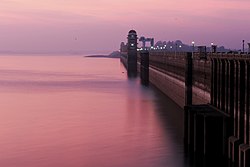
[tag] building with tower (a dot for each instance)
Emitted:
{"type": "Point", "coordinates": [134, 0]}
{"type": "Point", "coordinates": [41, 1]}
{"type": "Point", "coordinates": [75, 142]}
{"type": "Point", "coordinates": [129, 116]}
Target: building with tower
{"type": "Point", "coordinates": [132, 52]}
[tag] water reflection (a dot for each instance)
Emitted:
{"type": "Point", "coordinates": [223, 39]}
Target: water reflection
{"type": "Point", "coordinates": [74, 111]}
{"type": "Point", "coordinates": [170, 116]}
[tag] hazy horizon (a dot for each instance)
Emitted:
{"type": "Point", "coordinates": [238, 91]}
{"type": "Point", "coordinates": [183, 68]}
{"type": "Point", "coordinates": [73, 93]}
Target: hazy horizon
{"type": "Point", "coordinates": [99, 26]}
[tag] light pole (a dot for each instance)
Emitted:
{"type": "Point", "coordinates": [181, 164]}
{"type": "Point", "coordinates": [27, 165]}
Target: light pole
{"type": "Point", "coordinates": [212, 47]}
{"type": "Point", "coordinates": [243, 46]}
{"type": "Point", "coordinates": [193, 46]}
{"type": "Point", "coordinates": [248, 48]}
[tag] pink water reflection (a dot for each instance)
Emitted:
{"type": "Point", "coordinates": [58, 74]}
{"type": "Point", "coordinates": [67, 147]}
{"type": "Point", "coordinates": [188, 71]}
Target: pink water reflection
{"type": "Point", "coordinates": [74, 112]}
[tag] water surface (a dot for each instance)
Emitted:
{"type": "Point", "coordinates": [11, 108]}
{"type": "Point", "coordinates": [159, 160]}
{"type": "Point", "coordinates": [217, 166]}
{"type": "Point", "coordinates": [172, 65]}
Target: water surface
{"type": "Point", "coordinates": [71, 111]}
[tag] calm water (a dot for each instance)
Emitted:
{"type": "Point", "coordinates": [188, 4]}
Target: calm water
{"type": "Point", "coordinates": [71, 111]}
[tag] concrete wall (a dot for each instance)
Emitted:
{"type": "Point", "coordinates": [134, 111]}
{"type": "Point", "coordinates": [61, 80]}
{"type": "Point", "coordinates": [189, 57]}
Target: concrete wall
{"type": "Point", "coordinates": [201, 80]}
{"type": "Point", "coordinates": [123, 59]}
{"type": "Point", "coordinates": [167, 73]}
{"type": "Point", "coordinates": [172, 87]}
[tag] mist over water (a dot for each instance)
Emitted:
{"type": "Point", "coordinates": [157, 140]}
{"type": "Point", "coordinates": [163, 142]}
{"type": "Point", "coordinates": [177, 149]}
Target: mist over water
{"type": "Point", "coordinates": [72, 111]}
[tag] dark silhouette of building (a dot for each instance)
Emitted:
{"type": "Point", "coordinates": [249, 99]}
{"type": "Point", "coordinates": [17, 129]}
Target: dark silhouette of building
{"type": "Point", "coordinates": [214, 48]}
{"type": "Point", "coordinates": [132, 52]}
{"type": "Point", "coordinates": [144, 40]}
{"type": "Point", "coordinates": [123, 48]}
{"type": "Point", "coordinates": [202, 50]}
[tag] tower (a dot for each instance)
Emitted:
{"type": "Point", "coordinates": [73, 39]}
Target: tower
{"type": "Point", "coordinates": [132, 52]}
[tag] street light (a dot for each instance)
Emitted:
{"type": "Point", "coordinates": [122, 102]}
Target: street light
{"type": "Point", "coordinates": [248, 48]}
{"type": "Point", "coordinates": [212, 44]}
{"type": "Point", "coordinates": [193, 45]}
{"type": "Point", "coordinates": [180, 47]}
{"type": "Point", "coordinates": [243, 46]}
{"type": "Point", "coordinates": [164, 46]}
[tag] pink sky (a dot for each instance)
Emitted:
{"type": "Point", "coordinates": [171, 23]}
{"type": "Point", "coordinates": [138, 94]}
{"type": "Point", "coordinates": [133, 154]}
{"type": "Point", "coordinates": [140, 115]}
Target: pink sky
{"type": "Point", "coordinates": [99, 26]}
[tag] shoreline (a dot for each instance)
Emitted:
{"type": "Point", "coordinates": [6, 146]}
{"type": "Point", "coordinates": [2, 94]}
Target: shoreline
{"type": "Point", "coordinates": [101, 56]}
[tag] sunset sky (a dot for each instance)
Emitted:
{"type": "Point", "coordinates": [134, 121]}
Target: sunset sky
{"type": "Point", "coordinates": [98, 26]}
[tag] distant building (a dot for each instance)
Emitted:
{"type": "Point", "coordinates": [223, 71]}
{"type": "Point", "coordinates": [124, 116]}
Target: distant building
{"type": "Point", "coordinates": [178, 45]}
{"type": "Point", "coordinates": [123, 48]}
{"type": "Point", "coordinates": [144, 40]}
{"type": "Point", "coordinates": [132, 51]}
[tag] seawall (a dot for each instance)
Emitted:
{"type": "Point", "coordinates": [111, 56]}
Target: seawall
{"type": "Point", "coordinates": [167, 73]}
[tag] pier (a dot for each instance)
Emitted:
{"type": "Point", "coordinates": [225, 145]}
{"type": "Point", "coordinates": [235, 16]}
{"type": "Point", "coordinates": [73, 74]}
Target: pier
{"type": "Point", "coordinates": [212, 88]}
